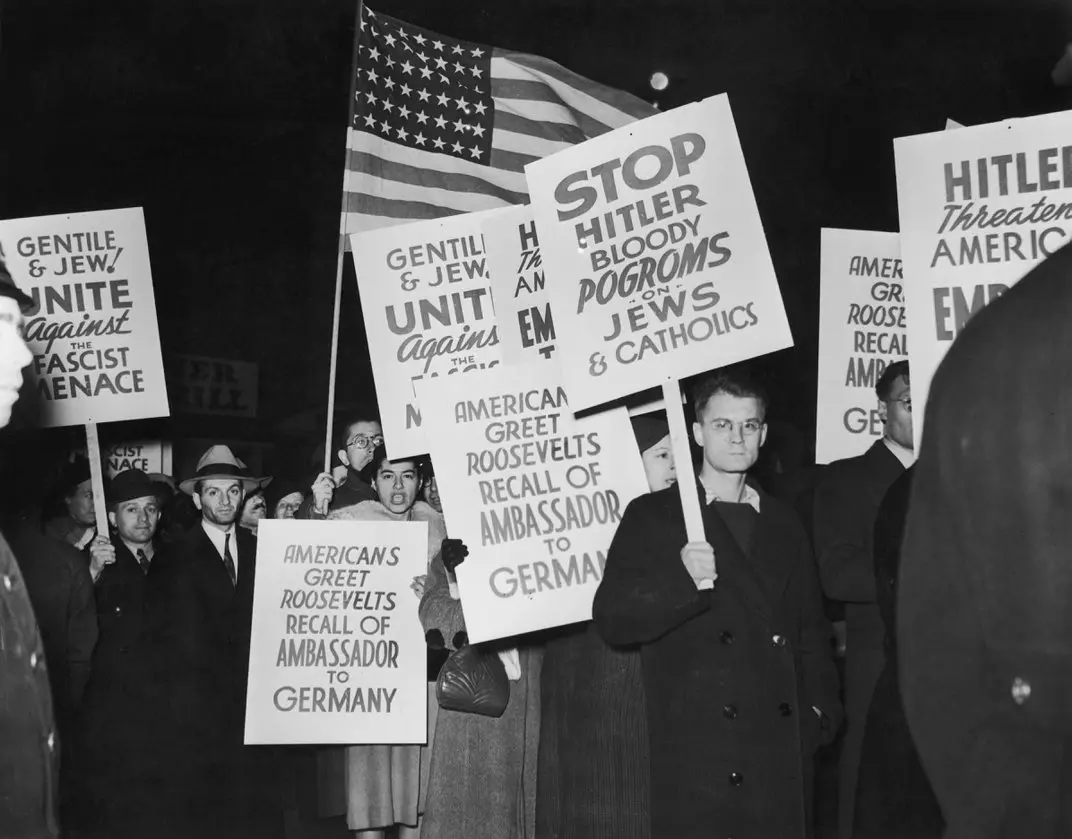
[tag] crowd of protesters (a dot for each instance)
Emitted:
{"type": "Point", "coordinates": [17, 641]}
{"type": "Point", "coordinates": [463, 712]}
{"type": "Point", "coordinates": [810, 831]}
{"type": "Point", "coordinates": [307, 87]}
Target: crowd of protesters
{"type": "Point", "coordinates": [695, 702]}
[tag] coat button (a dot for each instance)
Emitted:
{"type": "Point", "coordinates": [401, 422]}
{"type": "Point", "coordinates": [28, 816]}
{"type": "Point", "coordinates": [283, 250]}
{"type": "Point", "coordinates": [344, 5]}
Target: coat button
{"type": "Point", "coordinates": [778, 641]}
{"type": "Point", "coordinates": [785, 709]}
{"type": "Point", "coordinates": [33, 661]}
{"type": "Point", "coordinates": [736, 779]}
{"type": "Point", "coordinates": [729, 712]}
{"type": "Point", "coordinates": [726, 637]}
{"type": "Point", "coordinates": [1021, 690]}
{"type": "Point", "coordinates": [52, 741]}
{"type": "Point", "coordinates": [7, 582]}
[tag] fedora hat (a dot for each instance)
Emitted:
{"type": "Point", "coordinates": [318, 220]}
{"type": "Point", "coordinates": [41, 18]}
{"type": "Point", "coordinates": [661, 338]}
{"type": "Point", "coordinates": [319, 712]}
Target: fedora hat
{"type": "Point", "coordinates": [128, 485]}
{"type": "Point", "coordinates": [220, 463]}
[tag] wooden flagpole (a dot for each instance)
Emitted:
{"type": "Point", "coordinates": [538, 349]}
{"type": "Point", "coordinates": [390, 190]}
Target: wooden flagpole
{"type": "Point", "coordinates": [341, 251]}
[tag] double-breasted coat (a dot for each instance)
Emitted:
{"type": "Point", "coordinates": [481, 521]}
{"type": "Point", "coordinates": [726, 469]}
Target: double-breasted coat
{"type": "Point", "coordinates": [116, 708]}
{"type": "Point", "coordinates": [731, 675]}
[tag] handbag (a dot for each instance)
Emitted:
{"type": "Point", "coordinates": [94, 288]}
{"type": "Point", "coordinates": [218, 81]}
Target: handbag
{"type": "Point", "coordinates": [473, 682]}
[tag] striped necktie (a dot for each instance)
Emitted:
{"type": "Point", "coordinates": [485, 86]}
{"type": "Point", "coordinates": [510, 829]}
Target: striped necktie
{"type": "Point", "coordinates": [228, 560]}
{"type": "Point", "coordinates": [143, 561]}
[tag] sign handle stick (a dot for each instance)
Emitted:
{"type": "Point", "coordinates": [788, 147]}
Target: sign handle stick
{"type": "Point", "coordinates": [341, 255]}
{"type": "Point", "coordinates": [96, 475]}
{"type": "Point", "coordinates": [686, 475]}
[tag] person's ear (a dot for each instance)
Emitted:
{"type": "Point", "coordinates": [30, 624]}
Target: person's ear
{"type": "Point", "coordinates": [111, 520]}
{"type": "Point", "coordinates": [883, 410]}
{"type": "Point", "coordinates": [763, 434]}
{"type": "Point", "coordinates": [344, 458]}
{"type": "Point", "coordinates": [697, 434]}
{"type": "Point", "coordinates": [197, 500]}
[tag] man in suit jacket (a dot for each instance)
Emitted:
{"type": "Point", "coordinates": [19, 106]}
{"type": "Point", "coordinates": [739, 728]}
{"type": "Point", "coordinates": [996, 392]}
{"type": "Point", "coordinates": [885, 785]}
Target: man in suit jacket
{"type": "Point", "coordinates": [737, 666]}
{"type": "Point", "coordinates": [200, 608]}
{"type": "Point", "coordinates": [114, 718]}
{"type": "Point", "coordinates": [847, 499]}
{"type": "Point", "coordinates": [984, 612]}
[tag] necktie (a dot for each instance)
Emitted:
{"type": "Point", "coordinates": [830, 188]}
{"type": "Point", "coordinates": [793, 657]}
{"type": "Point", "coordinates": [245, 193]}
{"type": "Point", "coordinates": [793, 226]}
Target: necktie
{"type": "Point", "coordinates": [143, 561]}
{"type": "Point", "coordinates": [228, 560]}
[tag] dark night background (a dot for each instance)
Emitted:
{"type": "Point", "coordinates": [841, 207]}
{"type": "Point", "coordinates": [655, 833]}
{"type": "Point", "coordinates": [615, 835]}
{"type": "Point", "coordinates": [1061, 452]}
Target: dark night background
{"type": "Point", "coordinates": [225, 120]}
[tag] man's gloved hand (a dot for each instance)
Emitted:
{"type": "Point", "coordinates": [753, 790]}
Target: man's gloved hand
{"type": "Point", "coordinates": [461, 639]}
{"type": "Point", "coordinates": [453, 552]}
{"type": "Point", "coordinates": [434, 639]}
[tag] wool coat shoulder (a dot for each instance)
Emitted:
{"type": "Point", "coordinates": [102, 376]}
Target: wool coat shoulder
{"type": "Point", "coordinates": [731, 676]}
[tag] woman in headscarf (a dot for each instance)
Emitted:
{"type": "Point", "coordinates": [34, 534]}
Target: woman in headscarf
{"type": "Point", "coordinates": [593, 756]}
{"type": "Point", "coordinates": [384, 786]}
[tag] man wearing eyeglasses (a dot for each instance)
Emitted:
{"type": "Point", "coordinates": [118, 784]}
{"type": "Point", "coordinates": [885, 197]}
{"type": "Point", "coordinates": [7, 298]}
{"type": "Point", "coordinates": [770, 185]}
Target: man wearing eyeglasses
{"type": "Point", "coordinates": [356, 441]}
{"type": "Point", "coordinates": [847, 499]}
{"type": "Point", "coordinates": [738, 673]}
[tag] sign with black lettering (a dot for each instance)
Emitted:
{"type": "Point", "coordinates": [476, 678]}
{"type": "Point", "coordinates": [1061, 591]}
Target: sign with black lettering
{"type": "Point", "coordinates": [337, 653]}
{"type": "Point", "coordinates": [144, 455]}
{"type": "Point", "coordinates": [426, 299]}
{"type": "Point", "coordinates": [862, 330]}
{"type": "Point", "coordinates": [218, 386]}
{"type": "Point", "coordinates": [655, 256]}
{"type": "Point", "coordinates": [534, 493]}
{"type": "Point", "coordinates": [979, 207]}
{"type": "Point", "coordinates": [92, 328]}
{"type": "Point", "coordinates": [518, 286]}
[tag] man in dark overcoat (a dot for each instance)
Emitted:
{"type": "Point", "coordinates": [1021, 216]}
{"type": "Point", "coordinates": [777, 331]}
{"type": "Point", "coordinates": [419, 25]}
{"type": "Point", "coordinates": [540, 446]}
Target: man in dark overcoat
{"type": "Point", "coordinates": [984, 617]}
{"type": "Point", "coordinates": [737, 665]}
{"type": "Point", "coordinates": [116, 707]}
{"type": "Point", "coordinates": [29, 747]}
{"type": "Point", "coordinates": [199, 607]}
{"type": "Point", "coordinates": [846, 503]}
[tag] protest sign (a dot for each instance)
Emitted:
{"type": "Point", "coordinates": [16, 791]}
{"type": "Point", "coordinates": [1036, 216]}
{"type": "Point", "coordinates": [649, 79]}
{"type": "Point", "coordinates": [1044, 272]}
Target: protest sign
{"type": "Point", "coordinates": [979, 207]}
{"type": "Point", "coordinates": [338, 653]}
{"type": "Point", "coordinates": [518, 287]}
{"type": "Point", "coordinates": [862, 329]}
{"type": "Point", "coordinates": [655, 257]}
{"type": "Point", "coordinates": [534, 493]}
{"type": "Point", "coordinates": [426, 300]}
{"type": "Point", "coordinates": [217, 386]}
{"type": "Point", "coordinates": [144, 455]}
{"type": "Point", "coordinates": [92, 328]}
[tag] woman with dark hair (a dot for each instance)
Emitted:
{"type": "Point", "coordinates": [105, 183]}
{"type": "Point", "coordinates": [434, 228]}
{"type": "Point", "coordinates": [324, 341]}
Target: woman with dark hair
{"type": "Point", "coordinates": [384, 786]}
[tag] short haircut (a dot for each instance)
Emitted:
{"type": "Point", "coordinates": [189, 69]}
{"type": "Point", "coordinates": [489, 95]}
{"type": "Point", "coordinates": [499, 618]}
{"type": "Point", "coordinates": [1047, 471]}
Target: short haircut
{"type": "Point", "coordinates": [885, 383]}
{"type": "Point", "coordinates": [379, 457]}
{"type": "Point", "coordinates": [733, 382]}
{"type": "Point", "coordinates": [344, 422]}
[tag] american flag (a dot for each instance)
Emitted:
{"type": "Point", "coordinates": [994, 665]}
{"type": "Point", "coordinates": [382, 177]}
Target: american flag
{"type": "Point", "coordinates": [442, 126]}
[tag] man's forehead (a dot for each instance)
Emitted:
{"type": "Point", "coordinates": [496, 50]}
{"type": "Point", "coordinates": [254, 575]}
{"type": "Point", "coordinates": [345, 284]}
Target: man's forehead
{"type": "Point", "coordinates": [722, 404]}
{"type": "Point", "coordinates": [363, 427]}
{"type": "Point", "coordinates": [398, 466]}
{"type": "Point", "coordinates": [223, 484]}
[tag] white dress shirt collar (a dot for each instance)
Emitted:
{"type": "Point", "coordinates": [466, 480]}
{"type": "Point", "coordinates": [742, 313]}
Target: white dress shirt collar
{"type": "Point", "coordinates": [217, 537]}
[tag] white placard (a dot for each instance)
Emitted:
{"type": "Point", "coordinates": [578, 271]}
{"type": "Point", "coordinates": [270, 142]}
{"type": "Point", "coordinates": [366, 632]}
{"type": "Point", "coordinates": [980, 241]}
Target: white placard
{"type": "Point", "coordinates": [979, 207]}
{"type": "Point", "coordinates": [534, 493]}
{"type": "Point", "coordinates": [518, 286]}
{"type": "Point", "coordinates": [655, 255]}
{"type": "Point", "coordinates": [862, 329]}
{"type": "Point", "coordinates": [93, 329]}
{"type": "Point", "coordinates": [426, 300]}
{"type": "Point", "coordinates": [338, 653]}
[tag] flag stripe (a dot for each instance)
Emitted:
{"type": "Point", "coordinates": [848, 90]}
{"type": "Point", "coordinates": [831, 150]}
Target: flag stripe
{"type": "Point", "coordinates": [524, 143]}
{"type": "Point", "coordinates": [554, 112]}
{"type": "Point", "coordinates": [540, 92]}
{"type": "Point", "coordinates": [373, 165]}
{"type": "Point", "coordinates": [629, 107]}
{"type": "Point", "coordinates": [508, 121]}
{"type": "Point", "coordinates": [511, 160]}
{"type": "Point", "coordinates": [436, 194]}
{"type": "Point", "coordinates": [376, 205]}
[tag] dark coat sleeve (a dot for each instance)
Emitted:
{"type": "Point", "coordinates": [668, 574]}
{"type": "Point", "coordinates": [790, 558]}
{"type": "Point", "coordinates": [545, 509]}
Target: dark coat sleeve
{"type": "Point", "coordinates": [842, 536]}
{"type": "Point", "coordinates": [81, 626]}
{"type": "Point", "coordinates": [646, 590]}
{"type": "Point", "coordinates": [438, 610]}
